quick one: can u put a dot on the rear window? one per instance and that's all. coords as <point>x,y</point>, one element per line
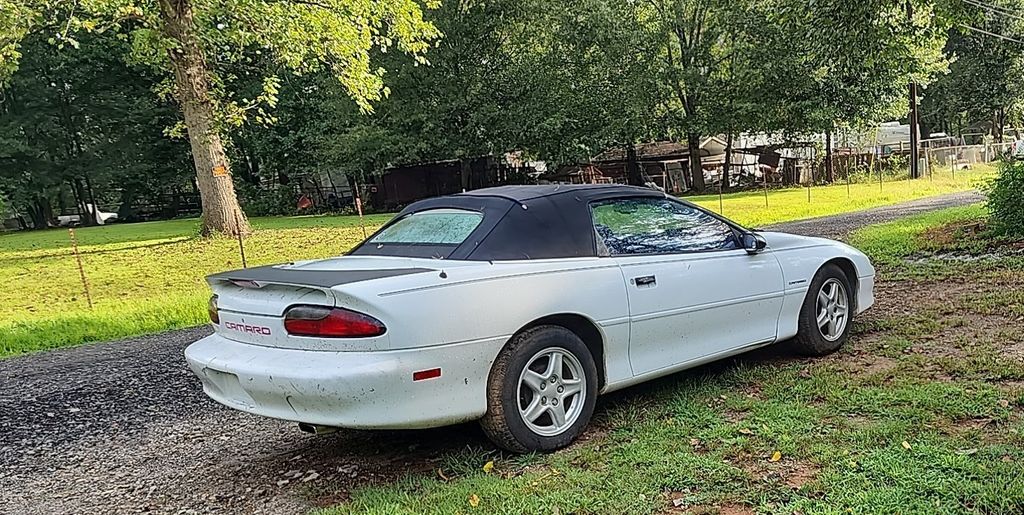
<point>431,227</point>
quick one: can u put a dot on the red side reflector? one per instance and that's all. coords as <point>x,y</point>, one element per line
<point>423,375</point>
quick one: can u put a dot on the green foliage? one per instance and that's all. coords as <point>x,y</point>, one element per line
<point>1006,198</point>
<point>337,37</point>
<point>982,88</point>
<point>68,117</point>
<point>257,201</point>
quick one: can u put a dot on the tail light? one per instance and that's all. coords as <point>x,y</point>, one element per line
<point>329,322</point>
<point>212,307</point>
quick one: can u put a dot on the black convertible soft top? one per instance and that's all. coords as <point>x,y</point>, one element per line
<point>519,222</point>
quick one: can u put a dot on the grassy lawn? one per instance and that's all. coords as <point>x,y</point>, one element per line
<point>749,209</point>
<point>148,277</point>
<point>922,412</point>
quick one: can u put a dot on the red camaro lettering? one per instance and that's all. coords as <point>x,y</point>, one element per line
<point>251,329</point>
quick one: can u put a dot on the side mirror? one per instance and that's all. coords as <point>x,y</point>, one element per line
<point>753,243</point>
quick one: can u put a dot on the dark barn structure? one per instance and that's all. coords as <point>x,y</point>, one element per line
<point>402,185</point>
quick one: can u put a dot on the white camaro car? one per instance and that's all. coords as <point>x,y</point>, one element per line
<point>517,306</point>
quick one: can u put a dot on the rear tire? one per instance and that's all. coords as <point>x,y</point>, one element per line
<point>826,315</point>
<point>541,391</point>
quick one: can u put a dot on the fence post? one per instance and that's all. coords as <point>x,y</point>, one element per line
<point>81,270</point>
<point>848,178</point>
<point>809,183</point>
<point>764,179</point>
<point>721,204</point>
<point>241,248</point>
<point>952,162</point>
<point>359,209</point>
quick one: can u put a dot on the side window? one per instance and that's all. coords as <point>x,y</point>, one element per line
<point>658,226</point>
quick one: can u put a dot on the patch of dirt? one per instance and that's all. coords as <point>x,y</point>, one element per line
<point>939,318</point>
<point>947,235</point>
<point>730,508</point>
<point>978,431</point>
<point>790,472</point>
<point>735,509</point>
<point>964,241</point>
<point>869,364</point>
<point>1014,351</point>
<point>1012,386</point>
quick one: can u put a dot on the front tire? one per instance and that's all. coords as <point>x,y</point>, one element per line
<point>541,392</point>
<point>827,313</point>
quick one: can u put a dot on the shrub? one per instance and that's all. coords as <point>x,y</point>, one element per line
<point>1006,198</point>
<point>257,201</point>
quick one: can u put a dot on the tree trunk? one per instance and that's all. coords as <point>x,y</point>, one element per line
<point>40,212</point>
<point>830,171</point>
<point>221,213</point>
<point>94,209</point>
<point>633,175</point>
<point>1000,119</point>
<point>696,170</point>
<point>86,215</point>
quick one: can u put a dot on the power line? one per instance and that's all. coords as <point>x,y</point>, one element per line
<point>993,34</point>
<point>995,8</point>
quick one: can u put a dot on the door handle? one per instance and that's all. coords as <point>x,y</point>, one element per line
<point>647,280</point>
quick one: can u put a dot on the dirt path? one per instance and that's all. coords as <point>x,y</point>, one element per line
<point>123,427</point>
<point>838,227</point>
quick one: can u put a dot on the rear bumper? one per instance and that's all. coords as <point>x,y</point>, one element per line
<point>366,390</point>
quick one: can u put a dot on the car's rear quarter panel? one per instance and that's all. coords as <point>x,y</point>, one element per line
<point>484,301</point>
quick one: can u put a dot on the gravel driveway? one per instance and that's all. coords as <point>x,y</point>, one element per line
<point>122,427</point>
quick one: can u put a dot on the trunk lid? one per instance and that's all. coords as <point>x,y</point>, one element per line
<point>252,302</point>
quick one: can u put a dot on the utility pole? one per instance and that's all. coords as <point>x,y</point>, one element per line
<point>915,131</point>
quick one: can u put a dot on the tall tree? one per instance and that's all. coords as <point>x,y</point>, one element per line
<point>181,35</point>
<point>80,124</point>
<point>982,89</point>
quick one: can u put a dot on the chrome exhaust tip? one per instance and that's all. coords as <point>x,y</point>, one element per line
<point>315,429</point>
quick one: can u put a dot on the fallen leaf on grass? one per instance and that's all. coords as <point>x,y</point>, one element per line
<point>776,456</point>
<point>474,500</point>
<point>746,431</point>
<point>488,467</point>
<point>906,445</point>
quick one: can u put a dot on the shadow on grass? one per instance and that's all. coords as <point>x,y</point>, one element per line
<point>68,252</point>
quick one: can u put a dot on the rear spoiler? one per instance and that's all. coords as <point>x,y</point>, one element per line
<point>289,276</point>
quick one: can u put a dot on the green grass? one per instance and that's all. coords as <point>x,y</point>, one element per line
<point>896,422</point>
<point>144,278</point>
<point>888,243</point>
<point>749,209</point>
<point>707,439</point>
<point>148,277</point>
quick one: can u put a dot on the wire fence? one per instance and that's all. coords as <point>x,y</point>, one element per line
<point>961,157</point>
<point>153,262</point>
